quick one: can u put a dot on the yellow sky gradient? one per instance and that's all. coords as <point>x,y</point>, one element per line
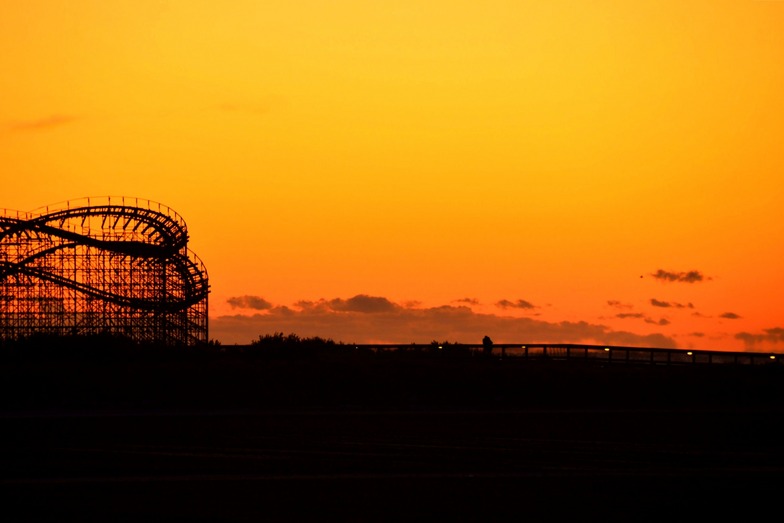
<point>424,153</point>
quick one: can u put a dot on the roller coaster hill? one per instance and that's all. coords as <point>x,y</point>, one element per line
<point>96,266</point>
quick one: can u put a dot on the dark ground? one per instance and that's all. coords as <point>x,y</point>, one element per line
<point>383,438</point>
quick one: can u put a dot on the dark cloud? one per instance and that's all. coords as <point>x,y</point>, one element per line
<point>363,303</point>
<point>658,303</point>
<point>307,304</point>
<point>775,332</point>
<point>519,304</point>
<point>249,302</point>
<point>730,316</point>
<point>625,315</point>
<point>697,334</point>
<point>685,277</point>
<point>773,335</point>
<point>467,301</point>
<point>349,321</point>
<point>359,303</point>
<point>44,123</point>
<point>661,321</point>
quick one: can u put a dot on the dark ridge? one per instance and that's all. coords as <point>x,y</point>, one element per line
<point>285,371</point>
<point>292,429</point>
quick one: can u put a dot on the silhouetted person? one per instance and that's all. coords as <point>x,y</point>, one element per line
<point>487,346</point>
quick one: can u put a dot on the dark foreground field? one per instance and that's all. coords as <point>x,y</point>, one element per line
<point>368,438</point>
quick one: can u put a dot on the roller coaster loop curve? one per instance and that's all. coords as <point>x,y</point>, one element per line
<point>96,266</point>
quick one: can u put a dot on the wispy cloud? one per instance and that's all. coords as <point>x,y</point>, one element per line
<point>658,303</point>
<point>773,335</point>
<point>619,305</point>
<point>249,302</point>
<point>730,316</point>
<point>519,304</point>
<point>369,319</point>
<point>684,277</point>
<point>641,316</point>
<point>467,301</point>
<point>48,122</point>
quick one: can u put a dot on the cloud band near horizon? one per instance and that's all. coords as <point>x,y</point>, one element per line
<point>371,319</point>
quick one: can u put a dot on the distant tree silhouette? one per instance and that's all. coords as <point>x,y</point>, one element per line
<point>280,345</point>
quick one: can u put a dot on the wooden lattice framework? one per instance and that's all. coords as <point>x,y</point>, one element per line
<point>113,265</point>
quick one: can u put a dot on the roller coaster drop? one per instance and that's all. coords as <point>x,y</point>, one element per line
<point>111,265</point>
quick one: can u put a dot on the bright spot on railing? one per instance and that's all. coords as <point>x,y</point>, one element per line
<point>689,353</point>
<point>522,347</point>
<point>607,349</point>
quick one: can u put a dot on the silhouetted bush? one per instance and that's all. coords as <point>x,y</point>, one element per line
<point>279,345</point>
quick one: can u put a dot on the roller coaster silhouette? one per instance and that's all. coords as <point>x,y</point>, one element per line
<point>111,265</point>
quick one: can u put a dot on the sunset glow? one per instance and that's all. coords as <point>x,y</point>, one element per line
<point>601,172</point>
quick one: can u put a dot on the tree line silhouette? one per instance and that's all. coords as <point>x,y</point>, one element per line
<point>277,345</point>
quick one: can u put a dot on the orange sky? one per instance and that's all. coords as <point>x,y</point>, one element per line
<point>406,171</point>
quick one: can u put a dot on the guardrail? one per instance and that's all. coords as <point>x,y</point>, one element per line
<point>594,353</point>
